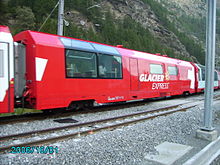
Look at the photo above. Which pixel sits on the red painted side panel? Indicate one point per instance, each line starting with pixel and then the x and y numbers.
pixel 157 85
pixel 55 90
pixel 4 106
pixel 134 74
pixel 7 106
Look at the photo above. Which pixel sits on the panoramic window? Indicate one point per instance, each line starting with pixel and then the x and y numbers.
pixel 156 69
pixel 1 64
pixel 80 64
pixel 110 66
pixel 172 70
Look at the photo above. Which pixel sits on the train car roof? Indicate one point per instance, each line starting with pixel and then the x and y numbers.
pixel 154 57
pixel 46 39
pixel 38 38
pixel 4 29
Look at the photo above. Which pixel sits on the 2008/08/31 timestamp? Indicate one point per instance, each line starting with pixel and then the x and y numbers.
pixel 34 149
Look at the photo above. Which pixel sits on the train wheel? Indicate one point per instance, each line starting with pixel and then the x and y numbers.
pixel 76 105
pixel 185 94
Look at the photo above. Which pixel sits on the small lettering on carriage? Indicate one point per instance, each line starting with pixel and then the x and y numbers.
pixel 115 98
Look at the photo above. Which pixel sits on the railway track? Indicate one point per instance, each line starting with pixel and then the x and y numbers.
pixel 63 113
pixel 80 129
pixel 86 128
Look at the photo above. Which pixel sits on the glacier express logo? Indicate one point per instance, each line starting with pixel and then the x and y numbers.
pixel 157 79
pixel 151 78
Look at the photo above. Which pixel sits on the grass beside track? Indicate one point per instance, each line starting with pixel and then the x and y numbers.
pixel 20 111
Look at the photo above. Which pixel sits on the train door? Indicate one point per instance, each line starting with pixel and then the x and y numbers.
pixel 134 82
pixel 6 71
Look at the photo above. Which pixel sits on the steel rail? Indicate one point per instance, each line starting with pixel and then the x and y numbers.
pixel 63 113
pixel 85 123
pixel 62 137
pixel 60 113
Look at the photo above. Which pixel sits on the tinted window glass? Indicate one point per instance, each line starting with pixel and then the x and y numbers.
pixel 76 44
pixel 105 49
pixel 172 70
pixel 156 69
pixel 110 66
pixel 66 42
pixel 82 45
pixel 80 64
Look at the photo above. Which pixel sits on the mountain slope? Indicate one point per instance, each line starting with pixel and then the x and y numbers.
pixel 174 27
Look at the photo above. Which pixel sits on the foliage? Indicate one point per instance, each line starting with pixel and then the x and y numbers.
pixel 31 15
pixel 20 111
pixel 50 26
pixel 40 8
pixel 218 22
pixel 24 19
pixel 125 32
pixel 195 26
pixel 195 49
pixel 86 7
pixel 3 13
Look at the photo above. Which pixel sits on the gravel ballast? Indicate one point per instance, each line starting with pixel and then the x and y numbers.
pixel 126 145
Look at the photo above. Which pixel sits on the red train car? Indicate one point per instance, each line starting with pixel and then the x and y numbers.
pixel 66 72
pixel 6 71
pixel 53 71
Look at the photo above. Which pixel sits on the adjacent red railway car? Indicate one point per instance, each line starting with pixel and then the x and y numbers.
pixel 201 78
pixel 6 71
pixel 53 71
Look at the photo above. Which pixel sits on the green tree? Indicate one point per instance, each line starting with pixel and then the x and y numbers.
pixel 3 13
pixel 194 49
pixel 50 26
pixel 24 19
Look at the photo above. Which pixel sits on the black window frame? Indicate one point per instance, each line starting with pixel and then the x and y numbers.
pixel 97 65
pixel 80 77
pixel 121 66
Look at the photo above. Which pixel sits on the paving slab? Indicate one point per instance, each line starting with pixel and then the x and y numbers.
pixel 168 153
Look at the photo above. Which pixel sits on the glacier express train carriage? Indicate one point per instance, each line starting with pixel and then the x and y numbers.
pixel 201 81
pixel 53 71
